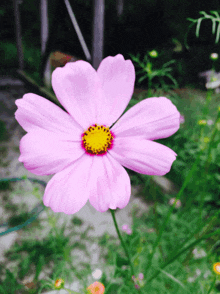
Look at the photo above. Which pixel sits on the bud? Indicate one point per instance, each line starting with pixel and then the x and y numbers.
pixel 206 140
pixel 138 282
pixel 214 56
pixel 202 122
pixel 216 268
pixel 153 54
pixel 178 202
pixel 59 284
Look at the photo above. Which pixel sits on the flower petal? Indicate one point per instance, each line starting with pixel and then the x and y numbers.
pixel 143 156
pixel 68 190
pixel 213 85
pixel 78 89
pixel 110 183
pixel 153 118
pixel 45 153
pixel 36 112
pixel 117 78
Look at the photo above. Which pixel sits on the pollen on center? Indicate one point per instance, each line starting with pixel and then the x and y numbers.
pixel 97 140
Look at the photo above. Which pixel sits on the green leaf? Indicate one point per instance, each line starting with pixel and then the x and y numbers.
pixel 173 278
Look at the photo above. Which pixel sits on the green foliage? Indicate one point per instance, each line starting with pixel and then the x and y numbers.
pixel 3 131
pixel 215 19
pixel 149 72
pixel 10 285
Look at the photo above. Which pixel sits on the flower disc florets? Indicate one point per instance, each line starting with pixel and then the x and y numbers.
pixel 97 139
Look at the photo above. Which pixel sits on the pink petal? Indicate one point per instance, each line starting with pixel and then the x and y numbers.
pixel 110 184
pixel 78 89
pixel 153 118
pixel 117 79
pixel 143 156
pixel 125 227
pixel 68 190
pixel 36 112
pixel 45 153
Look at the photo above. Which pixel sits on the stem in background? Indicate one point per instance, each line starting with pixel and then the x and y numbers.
pixel 212 285
pixel 70 291
pixel 149 87
pixel 191 172
pixel 208 100
pixel 153 192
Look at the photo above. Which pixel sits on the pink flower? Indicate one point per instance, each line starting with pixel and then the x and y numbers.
pixel 141 276
pixel 126 229
pixel 81 147
pixel 96 288
pixel 182 119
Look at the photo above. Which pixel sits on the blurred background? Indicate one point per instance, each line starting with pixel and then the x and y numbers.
pixel 140 26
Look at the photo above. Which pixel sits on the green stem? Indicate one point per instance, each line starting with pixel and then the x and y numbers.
pixel 70 291
pixel 190 174
pixel 123 245
pixel 149 87
pixel 208 100
pixel 212 285
pixel 153 192
pixel 122 241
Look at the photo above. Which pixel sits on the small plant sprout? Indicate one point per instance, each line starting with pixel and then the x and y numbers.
pixel 149 72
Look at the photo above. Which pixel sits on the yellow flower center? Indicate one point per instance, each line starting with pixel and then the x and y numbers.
pixel 97 139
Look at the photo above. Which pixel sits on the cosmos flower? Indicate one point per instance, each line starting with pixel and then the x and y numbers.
pixel 82 147
pixel 212 79
pixel 96 288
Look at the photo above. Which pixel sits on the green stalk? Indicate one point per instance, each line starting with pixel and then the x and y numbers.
pixel 208 100
pixel 209 155
pixel 193 169
pixel 212 285
pixel 122 241
pixel 181 252
pixel 124 245
pixel 70 291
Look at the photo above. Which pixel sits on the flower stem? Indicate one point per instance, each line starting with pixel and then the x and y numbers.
pixel 122 241
pixel 71 291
